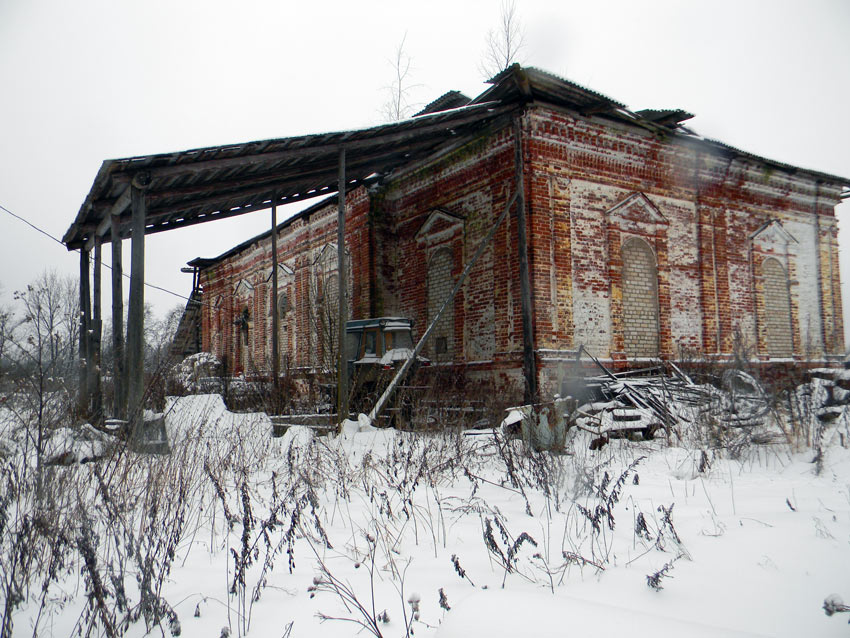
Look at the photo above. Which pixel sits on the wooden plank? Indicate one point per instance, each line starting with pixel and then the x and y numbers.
pixel 117 208
pixel 271 177
pixel 119 378
pixel 376 161
pixel 95 378
pixel 136 315
pixel 275 312
pixel 342 270
pixel 443 128
pixel 158 226
pixel 83 399
pixel 243 189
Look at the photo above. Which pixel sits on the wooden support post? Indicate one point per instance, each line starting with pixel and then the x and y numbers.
pixel 136 315
pixel 342 366
pixel 529 365
pixel 97 329
pixel 275 316
pixel 83 400
pixel 119 377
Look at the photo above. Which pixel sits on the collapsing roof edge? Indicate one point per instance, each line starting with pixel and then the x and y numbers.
pixel 205 184
pixel 200 185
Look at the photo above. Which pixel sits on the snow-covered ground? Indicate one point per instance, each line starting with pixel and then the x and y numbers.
pixel 447 535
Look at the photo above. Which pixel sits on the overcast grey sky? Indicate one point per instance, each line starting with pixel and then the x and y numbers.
pixel 88 80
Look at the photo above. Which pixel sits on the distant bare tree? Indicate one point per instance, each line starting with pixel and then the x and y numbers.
pixel 159 335
pixel 398 106
pixel 50 324
pixel 504 43
pixel 41 351
pixel 6 327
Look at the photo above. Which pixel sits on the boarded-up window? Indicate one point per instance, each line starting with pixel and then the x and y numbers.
pixel 777 309
pixel 327 320
pixel 244 335
pixel 640 299
pixel 439 287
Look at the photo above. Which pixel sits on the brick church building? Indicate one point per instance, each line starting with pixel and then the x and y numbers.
pixel 644 240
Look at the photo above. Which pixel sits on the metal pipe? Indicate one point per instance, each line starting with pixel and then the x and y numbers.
pixel 529 366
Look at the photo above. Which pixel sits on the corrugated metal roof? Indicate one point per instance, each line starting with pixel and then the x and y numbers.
pixel 448 100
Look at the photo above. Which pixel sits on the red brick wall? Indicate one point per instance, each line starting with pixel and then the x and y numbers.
pixel 590 185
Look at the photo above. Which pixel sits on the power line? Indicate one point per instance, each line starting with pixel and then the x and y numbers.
pixel 59 241
pixel 31 225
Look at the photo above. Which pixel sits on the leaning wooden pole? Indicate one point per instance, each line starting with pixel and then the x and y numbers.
pixel 275 314
pixel 529 365
pixel 382 401
pixel 83 399
pixel 95 378
pixel 136 314
pixel 342 362
pixel 119 377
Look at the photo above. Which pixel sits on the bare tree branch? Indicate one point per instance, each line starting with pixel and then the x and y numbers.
pixel 504 43
pixel 397 106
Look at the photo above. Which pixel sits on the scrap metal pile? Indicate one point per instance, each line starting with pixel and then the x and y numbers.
pixel 641 402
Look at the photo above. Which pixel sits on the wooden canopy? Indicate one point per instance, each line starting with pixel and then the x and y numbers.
pixel 201 185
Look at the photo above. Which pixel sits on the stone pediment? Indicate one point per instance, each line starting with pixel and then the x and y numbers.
pixel 439 226
pixel 772 232
pixel 636 208
pixel 327 257
pixel 244 287
pixel 283 271
pixel 327 254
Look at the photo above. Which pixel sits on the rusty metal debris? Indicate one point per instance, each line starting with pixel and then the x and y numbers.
pixel 640 402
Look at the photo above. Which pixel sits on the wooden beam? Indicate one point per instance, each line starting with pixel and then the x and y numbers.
pixel 136 315
pixel 529 365
pixel 393 138
pixel 239 192
pixel 248 188
pixel 158 226
pixel 117 208
pixel 275 316
pixel 83 399
pixel 119 378
pixel 342 278
pixel 374 158
pixel 95 377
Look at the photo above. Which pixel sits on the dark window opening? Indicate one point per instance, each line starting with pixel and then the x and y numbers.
pixel 441 346
pixel 370 345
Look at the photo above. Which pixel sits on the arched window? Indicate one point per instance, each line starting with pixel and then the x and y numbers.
pixel 283 305
pixel 245 324
pixel 216 326
pixel 640 299
pixel 439 286
pixel 777 308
